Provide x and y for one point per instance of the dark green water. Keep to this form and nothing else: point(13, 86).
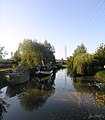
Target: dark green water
point(61, 98)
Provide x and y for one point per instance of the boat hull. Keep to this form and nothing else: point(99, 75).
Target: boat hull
point(44, 72)
point(46, 78)
point(15, 79)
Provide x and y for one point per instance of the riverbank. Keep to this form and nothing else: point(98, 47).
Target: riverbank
point(100, 76)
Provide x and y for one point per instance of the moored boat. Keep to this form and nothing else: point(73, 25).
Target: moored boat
point(46, 78)
point(19, 76)
point(44, 72)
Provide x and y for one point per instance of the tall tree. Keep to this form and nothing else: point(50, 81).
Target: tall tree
point(99, 56)
point(27, 54)
point(49, 52)
point(32, 53)
point(83, 64)
point(81, 49)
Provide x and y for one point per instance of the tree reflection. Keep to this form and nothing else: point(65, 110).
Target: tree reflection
point(33, 94)
point(90, 86)
point(37, 93)
point(34, 98)
point(3, 106)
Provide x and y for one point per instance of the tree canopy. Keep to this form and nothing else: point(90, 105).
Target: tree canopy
point(31, 53)
point(99, 56)
point(81, 49)
point(2, 52)
point(83, 63)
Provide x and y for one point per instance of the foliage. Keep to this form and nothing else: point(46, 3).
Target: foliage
point(82, 63)
point(70, 61)
point(31, 53)
point(27, 54)
point(81, 49)
point(16, 56)
point(2, 52)
point(49, 52)
point(99, 56)
point(100, 75)
point(34, 98)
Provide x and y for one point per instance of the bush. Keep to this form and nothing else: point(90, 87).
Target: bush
point(100, 75)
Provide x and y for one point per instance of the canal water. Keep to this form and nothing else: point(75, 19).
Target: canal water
point(59, 98)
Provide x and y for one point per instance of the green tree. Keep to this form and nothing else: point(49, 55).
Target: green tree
point(83, 64)
point(70, 61)
point(99, 56)
point(2, 52)
point(31, 53)
point(49, 52)
point(81, 49)
point(27, 54)
point(17, 56)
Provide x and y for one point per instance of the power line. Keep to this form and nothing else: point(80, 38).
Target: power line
point(97, 27)
point(88, 15)
point(97, 14)
point(96, 17)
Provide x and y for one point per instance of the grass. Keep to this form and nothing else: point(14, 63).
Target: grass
point(5, 69)
point(65, 66)
point(100, 76)
point(3, 72)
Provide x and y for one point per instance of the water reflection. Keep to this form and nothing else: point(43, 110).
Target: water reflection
point(3, 106)
point(3, 81)
point(34, 98)
point(90, 86)
point(56, 98)
point(33, 94)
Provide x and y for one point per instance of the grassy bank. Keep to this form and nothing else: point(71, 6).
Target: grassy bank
point(3, 72)
point(5, 69)
point(64, 66)
point(100, 76)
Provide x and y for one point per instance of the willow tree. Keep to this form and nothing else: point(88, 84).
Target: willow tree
point(70, 61)
point(83, 64)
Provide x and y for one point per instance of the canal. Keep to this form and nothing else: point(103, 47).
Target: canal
point(59, 98)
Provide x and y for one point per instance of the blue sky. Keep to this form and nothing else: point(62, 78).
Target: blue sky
point(62, 22)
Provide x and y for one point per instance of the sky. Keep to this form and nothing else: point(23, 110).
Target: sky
point(61, 22)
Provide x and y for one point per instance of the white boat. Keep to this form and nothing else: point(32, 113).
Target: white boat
point(44, 78)
point(18, 76)
point(42, 72)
